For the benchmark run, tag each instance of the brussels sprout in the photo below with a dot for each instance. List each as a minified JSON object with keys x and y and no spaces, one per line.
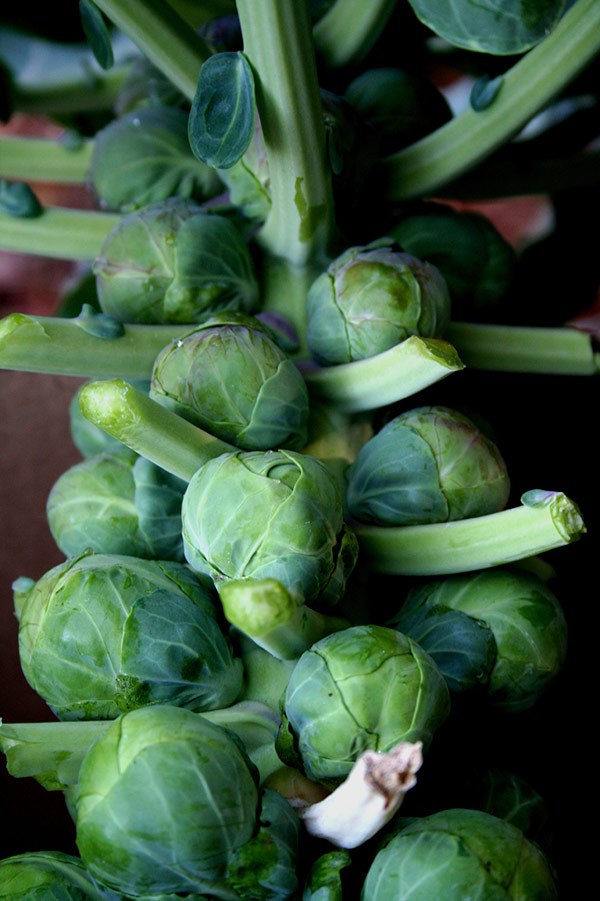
{"x":326,"y":880}
{"x":273,"y":515}
{"x":455,"y":854}
{"x":102,"y":634}
{"x":173,"y":262}
{"x":431,"y":464}
{"x":43,"y":875}
{"x":477,"y":263}
{"x":516,"y":608}
{"x":507,"y":796}
{"x":145,"y":157}
{"x":167,"y":802}
{"x":228,"y":376}
{"x":371,"y":298}
{"x":117,"y":503}
{"x":400,"y":106}
{"x":365,"y":688}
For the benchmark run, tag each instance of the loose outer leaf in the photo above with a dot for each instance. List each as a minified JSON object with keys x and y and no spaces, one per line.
{"x":490,"y":26}
{"x":17,"y":199}
{"x":97,"y":33}
{"x":221,"y":120}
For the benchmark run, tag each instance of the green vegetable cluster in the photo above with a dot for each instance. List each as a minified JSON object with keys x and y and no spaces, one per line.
{"x":296,"y":576}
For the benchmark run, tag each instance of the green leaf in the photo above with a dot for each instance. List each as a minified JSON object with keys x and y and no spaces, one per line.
{"x":494,"y":26}
{"x":17,"y":199}
{"x":463,"y":647}
{"x":484,"y":92}
{"x":97,"y":33}
{"x":100,"y":325}
{"x":221,"y":122}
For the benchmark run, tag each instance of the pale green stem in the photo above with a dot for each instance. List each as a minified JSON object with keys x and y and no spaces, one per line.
{"x":163,"y":37}
{"x":149,"y":429}
{"x":49,"y":752}
{"x":469,"y":544}
{"x":63,"y":233}
{"x":53,"y":752}
{"x":393,"y":375}
{"x":349,"y":29}
{"x":278,"y":44}
{"x":279,"y":623}
{"x":284,"y":288}
{"x":265,"y":677}
{"x":506,"y":348}
{"x":63,"y":347}
{"x":87,"y":92}
{"x":36,"y":159}
{"x":531,"y":83}
{"x":256,"y":725}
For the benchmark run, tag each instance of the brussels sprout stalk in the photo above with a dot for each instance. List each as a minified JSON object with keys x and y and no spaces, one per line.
{"x":256,"y":725}
{"x":349,"y":29}
{"x":559,"y":351}
{"x":38,"y":159}
{"x":163,"y":36}
{"x":271,"y":616}
{"x":62,"y":233}
{"x":278,"y":43}
{"x":64,"y":347}
{"x":529,"y":85}
{"x":51,"y":753}
{"x":148,"y":428}
{"x":367,"y":799}
{"x":385,"y":378}
{"x":545,"y":520}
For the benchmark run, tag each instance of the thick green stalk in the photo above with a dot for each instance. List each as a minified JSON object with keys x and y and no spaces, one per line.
{"x":49,"y":752}
{"x":163,"y":37}
{"x":278,"y":44}
{"x":265,"y":611}
{"x":349,"y":29}
{"x":284,"y":287}
{"x":506,"y":348}
{"x":85,"y":92}
{"x":446,"y":153}
{"x":256,"y":725}
{"x":63,"y":347}
{"x":53,"y":752}
{"x":265,"y":677}
{"x":149,"y":429}
{"x":385,"y":378}
{"x":546,"y":520}
{"x":35,"y":159}
{"x":66,"y":234}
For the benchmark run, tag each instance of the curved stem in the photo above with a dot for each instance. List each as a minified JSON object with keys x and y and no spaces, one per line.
{"x":507,"y":348}
{"x":163,"y":37}
{"x":400,"y":372}
{"x":477,"y":543}
{"x":265,"y":611}
{"x":37,"y":159}
{"x":349,"y":29}
{"x":63,"y":233}
{"x":149,"y":429}
{"x":61,"y":347}
{"x":528,"y":86}
{"x":85,"y":92}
